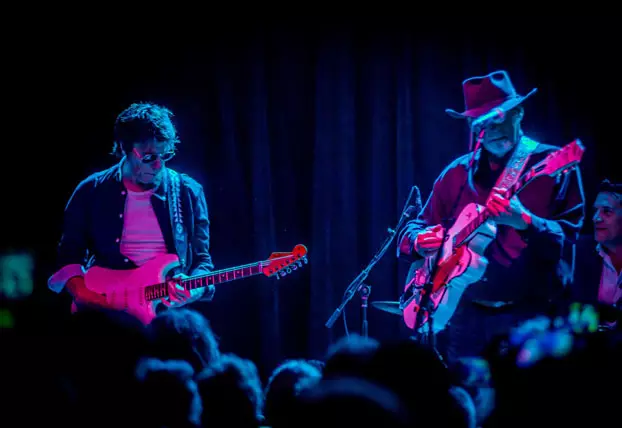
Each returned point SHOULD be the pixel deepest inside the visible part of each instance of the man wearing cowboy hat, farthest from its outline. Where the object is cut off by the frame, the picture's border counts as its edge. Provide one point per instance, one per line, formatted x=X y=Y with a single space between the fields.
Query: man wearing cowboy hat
x=531 y=257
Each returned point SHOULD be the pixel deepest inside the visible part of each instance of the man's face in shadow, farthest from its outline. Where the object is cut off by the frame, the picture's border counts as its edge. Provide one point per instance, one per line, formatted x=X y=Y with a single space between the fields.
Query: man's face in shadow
x=608 y=218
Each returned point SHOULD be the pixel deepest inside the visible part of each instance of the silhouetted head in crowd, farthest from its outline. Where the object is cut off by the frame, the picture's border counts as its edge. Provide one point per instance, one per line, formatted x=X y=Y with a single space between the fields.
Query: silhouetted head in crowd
x=473 y=376
x=350 y=356
x=461 y=410
x=351 y=402
x=101 y=349
x=280 y=394
x=418 y=376
x=184 y=334
x=34 y=391
x=557 y=375
x=231 y=392
x=166 y=395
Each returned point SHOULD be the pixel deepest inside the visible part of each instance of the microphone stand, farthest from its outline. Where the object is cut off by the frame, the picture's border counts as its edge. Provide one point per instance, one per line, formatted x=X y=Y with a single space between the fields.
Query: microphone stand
x=357 y=286
x=365 y=291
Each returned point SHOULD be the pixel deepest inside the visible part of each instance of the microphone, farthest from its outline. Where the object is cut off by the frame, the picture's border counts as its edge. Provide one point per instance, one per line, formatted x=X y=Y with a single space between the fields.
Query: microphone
x=414 y=209
x=410 y=210
x=418 y=204
x=494 y=116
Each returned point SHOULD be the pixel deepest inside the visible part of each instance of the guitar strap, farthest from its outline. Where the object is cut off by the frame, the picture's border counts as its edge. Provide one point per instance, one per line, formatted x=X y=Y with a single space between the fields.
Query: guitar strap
x=516 y=164
x=176 y=215
x=511 y=173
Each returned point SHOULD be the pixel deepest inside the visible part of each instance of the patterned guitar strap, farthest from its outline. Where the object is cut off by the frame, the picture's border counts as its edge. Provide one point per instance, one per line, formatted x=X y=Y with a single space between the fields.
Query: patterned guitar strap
x=509 y=177
x=175 y=211
x=516 y=164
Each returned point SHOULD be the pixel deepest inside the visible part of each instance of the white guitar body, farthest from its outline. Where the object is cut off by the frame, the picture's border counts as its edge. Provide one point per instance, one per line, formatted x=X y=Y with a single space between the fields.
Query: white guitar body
x=458 y=268
x=125 y=289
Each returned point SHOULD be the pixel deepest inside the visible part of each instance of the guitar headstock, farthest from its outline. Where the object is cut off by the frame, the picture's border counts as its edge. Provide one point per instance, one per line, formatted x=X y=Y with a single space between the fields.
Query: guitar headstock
x=281 y=264
x=560 y=161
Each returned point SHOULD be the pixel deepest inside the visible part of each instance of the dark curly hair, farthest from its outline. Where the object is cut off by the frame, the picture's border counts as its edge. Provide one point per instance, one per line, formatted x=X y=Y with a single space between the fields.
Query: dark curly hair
x=231 y=382
x=608 y=186
x=184 y=334
x=142 y=121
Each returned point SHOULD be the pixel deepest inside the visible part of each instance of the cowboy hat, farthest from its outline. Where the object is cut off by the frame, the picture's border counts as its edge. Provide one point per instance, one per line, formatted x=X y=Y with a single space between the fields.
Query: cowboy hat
x=484 y=93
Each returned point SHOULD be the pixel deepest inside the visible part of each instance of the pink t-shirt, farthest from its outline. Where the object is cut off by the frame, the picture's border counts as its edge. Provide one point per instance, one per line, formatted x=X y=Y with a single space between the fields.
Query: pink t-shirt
x=142 y=238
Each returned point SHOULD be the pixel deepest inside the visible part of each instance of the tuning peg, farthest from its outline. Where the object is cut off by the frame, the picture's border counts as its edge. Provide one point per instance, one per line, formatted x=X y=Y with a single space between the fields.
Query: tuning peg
x=294 y=266
x=298 y=263
x=288 y=270
x=305 y=259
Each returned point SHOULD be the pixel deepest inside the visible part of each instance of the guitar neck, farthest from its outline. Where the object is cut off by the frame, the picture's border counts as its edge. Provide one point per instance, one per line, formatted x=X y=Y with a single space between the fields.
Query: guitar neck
x=484 y=215
x=158 y=291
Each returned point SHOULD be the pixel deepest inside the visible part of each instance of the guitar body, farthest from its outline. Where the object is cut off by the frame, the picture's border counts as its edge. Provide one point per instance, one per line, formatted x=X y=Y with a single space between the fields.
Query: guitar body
x=458 y=268
x=125 y=289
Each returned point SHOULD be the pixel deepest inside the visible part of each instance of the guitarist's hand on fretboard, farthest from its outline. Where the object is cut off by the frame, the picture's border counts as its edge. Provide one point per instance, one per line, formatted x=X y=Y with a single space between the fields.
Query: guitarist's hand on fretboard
x=177 y=294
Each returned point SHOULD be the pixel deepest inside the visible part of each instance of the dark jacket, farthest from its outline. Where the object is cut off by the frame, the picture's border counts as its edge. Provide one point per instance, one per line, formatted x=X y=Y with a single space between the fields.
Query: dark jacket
x=93 y=224
x=588 y=271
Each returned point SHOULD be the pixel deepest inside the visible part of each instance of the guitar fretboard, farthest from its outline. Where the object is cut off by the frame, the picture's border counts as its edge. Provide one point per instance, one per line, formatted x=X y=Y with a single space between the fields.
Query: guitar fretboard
x=158 y=291
x=484 y=215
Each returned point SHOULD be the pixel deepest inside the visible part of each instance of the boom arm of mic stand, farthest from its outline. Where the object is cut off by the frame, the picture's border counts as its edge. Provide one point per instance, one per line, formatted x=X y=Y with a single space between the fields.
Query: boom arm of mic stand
x=357 y=283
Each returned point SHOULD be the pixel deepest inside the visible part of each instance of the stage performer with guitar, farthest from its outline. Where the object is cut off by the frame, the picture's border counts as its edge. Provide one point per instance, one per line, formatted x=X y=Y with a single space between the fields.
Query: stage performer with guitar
x=138 y=209
x=137 y=234
x=493 y=258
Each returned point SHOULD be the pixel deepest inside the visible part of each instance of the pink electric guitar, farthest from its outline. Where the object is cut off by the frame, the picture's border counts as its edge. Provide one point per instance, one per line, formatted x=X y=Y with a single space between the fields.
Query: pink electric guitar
x=462 y=254
x=138 y=291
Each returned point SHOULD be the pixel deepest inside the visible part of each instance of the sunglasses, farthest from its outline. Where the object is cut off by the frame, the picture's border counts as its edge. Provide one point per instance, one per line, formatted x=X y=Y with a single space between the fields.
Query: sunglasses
x=151 y=157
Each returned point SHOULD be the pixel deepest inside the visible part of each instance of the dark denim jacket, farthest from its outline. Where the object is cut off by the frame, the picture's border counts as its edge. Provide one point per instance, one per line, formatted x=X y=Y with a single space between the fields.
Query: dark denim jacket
x=93 y=225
